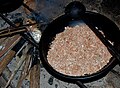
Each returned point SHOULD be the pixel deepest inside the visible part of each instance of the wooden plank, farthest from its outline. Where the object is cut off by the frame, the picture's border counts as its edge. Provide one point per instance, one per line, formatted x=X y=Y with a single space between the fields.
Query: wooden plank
x=6 y=60
x=2 y=82
x=22 y=59
x=25 y=71
x=6 y=75
x=35 y=76
x=9 y=43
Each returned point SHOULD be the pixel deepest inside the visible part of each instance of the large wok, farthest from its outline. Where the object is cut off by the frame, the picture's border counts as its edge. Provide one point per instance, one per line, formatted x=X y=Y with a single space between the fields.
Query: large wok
x=95 y=21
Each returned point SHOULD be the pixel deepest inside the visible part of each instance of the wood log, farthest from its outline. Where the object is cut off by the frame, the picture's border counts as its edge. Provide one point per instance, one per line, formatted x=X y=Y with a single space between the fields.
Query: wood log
x=6 y=60
x=20 y=63
x=9 y=43
x=35 y=76
x=24 y=72
x=6 y=75
x=2 y=82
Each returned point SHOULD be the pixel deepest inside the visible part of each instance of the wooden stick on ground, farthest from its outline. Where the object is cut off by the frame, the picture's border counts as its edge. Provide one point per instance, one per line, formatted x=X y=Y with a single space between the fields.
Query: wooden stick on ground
x=4 y=62
x=15 y=71
x=6 y=75
x=24 y=72
x=35 y=76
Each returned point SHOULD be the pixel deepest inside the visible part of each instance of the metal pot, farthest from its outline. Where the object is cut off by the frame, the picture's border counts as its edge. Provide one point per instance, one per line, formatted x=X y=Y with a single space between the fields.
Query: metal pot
x=9 y=5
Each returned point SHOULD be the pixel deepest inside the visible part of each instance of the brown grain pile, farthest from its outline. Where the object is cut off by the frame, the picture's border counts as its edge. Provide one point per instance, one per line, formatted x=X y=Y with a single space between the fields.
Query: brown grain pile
x=77 y=51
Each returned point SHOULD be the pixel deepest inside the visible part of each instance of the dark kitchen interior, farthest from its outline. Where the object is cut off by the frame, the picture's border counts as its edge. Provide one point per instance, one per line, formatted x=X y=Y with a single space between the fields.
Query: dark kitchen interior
x=20 y=64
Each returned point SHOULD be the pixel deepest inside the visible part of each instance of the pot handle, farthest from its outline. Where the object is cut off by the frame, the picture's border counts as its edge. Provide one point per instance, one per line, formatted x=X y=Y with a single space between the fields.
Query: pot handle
x=75 y=10
x=80 y=84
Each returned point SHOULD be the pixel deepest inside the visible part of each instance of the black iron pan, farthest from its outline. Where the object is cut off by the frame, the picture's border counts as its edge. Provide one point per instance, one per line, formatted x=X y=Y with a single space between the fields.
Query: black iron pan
x=72 y=17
